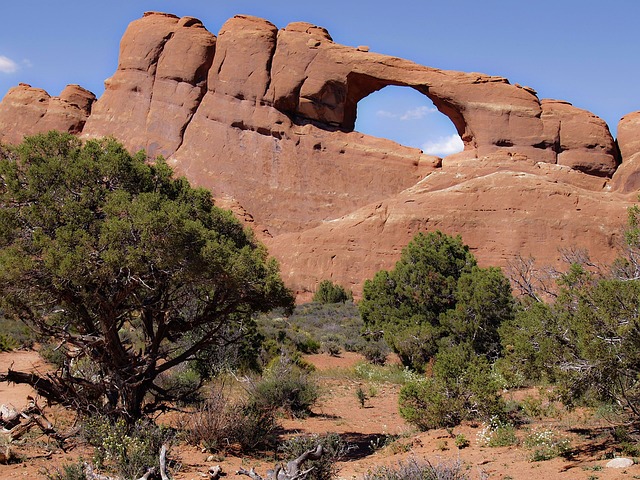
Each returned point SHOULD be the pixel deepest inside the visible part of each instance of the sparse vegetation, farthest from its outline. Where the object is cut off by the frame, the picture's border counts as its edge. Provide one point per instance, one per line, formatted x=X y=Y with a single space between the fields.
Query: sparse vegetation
x=497 y=433
x=414 y=469
x=284 y=386
x=219 y=425
x=546 y=444
x=334 y=449
x=123 y=449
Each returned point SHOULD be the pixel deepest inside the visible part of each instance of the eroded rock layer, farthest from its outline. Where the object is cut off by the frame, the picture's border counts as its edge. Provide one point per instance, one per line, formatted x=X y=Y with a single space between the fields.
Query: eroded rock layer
x=265 y=119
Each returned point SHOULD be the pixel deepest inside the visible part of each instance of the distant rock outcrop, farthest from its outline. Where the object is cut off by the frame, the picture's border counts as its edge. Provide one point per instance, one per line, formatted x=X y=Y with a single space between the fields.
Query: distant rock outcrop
x=26 y=111
x=265 y=117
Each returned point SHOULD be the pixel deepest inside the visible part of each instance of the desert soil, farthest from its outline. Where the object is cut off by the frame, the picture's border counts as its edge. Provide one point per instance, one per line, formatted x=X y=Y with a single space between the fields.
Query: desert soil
x=363 y=428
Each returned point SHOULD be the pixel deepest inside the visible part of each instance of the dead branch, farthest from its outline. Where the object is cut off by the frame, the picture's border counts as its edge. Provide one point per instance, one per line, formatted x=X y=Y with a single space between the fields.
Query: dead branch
x=91 y=475
x=163 y=463
x=16 y=423
x=216 y=472
x=291 y=471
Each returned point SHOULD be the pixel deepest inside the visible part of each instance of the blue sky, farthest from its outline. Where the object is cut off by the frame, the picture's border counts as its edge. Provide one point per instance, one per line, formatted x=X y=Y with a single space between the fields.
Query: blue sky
x=582 y=51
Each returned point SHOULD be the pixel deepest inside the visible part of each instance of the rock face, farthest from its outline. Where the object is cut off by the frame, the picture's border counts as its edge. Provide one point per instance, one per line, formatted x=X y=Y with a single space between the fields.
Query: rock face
x=265 y=119
x=27 y=111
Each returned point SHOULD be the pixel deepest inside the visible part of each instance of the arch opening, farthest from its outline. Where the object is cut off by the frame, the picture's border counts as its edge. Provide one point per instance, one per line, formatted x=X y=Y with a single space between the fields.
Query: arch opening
x=408 y=117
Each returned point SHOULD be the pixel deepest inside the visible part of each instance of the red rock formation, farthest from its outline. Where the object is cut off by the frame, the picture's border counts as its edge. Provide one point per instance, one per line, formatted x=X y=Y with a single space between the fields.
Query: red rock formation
x=264 y=118
x=160 y=81
x=627 y=177
x=26 y=111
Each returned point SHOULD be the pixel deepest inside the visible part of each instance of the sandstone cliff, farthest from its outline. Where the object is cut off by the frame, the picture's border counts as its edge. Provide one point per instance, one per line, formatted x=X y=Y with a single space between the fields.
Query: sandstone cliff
x=264 y=118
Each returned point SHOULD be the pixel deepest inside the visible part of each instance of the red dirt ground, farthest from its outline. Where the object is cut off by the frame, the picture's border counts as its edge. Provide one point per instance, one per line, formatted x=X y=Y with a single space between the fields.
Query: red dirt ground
x=339 y=411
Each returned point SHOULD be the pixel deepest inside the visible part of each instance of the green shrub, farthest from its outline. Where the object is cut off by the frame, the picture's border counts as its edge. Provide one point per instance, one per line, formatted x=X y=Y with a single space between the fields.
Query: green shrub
x=436 y=296
x=15 y=334
x=184 y=383
x=332 y=348
x=285 y=386
x=546 y=444
x=497 y=433
x=7 y=343
x=329 y=292
x=461 y=441
x=362 y=396
x=414 y=469
x=324 y=468
x=125 y=450
x=462 y=388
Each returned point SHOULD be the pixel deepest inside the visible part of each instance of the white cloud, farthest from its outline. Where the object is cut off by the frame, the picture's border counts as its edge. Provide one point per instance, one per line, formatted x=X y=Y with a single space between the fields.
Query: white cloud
x=443 y=146
x=7 y=65
x=417 y=113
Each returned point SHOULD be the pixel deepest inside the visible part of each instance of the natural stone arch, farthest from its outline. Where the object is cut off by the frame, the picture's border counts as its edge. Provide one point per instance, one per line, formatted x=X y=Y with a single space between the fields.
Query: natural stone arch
x=412 y=118
x=360 y=86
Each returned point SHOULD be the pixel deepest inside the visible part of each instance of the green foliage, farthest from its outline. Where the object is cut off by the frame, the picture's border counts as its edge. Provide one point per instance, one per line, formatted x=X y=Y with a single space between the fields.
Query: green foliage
x=461 y=441
x=586 y=342
x=362 y=396
x=7 y=343
x=124 y=449
x=285 y=386
x=324 y=468
x=14 y=334
x=462 y=388
x=414 y=469
x=497 y=433
x=546 y=444
x=311 y=326
x=95 y=243
x=436 y=296
x=385 y=373
x=332 y=348
x=329 y=292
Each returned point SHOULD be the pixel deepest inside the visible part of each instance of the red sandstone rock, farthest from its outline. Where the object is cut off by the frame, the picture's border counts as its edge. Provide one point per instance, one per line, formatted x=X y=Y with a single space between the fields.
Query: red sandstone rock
x=160 y=81
x=27 y=111
x=627 y=176
x=264 y=118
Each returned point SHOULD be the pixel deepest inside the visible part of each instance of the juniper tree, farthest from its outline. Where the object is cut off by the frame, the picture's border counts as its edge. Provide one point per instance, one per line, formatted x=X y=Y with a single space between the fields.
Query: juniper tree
x=125 y=267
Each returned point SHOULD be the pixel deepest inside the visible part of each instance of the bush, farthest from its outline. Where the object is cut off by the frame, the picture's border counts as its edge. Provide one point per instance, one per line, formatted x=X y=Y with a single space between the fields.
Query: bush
x=127 y=451
x=7 y=343
x=376 y=352
x=497 y=433
x=14 y=334
x=462 y=388
x=285 y=386
x=334 y=450
x=436 y=296
x=332 y=348
x=219 y=424
x=328 y=292
x=546 y=444
x=413 y=469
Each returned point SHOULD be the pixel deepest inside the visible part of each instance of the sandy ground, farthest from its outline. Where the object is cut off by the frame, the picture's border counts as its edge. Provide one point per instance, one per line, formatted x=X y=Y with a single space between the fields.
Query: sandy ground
x=364 y=428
